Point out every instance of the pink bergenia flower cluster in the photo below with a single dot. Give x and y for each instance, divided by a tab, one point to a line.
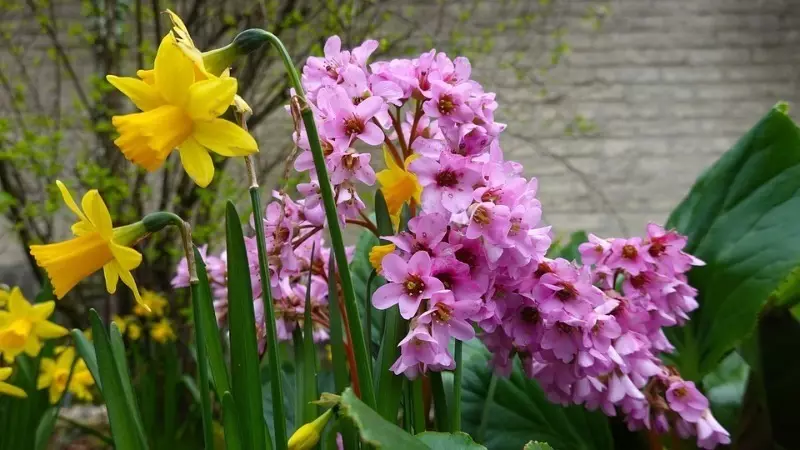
473	256
291	241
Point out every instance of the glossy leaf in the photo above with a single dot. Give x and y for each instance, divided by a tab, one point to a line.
121	363
245	377
198	292
374	429
86	351
520	411
448	441
535	445
230	422
736	218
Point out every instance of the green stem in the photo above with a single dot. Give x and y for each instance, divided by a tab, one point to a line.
363	361
279	415
487	404
441	414
202	367
418	405
457	389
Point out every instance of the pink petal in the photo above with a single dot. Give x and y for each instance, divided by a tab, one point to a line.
333	46
408	305
369	107
461	330
394	268
372	135
420	263
387	295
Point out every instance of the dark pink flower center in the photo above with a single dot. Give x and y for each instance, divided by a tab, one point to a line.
350	162
491	195
542	269
443	312
638	281
564	328
629	252
414	286
446	105
481	216
327	147
446	178
467	257
353	125
530	315
567	292
656	249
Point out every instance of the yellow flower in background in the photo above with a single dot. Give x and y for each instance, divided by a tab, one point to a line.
4	293
307	436
23	326
120	322
156	303
96	245
54	374
377	253
162	331
134	331
179	110
399	186
9	389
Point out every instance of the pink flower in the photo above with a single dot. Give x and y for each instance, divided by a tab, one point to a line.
563	338
447	184
426	234
417	350
409	283
348	164
325	71
448	317
594	251
686	400
489	221
350	122
710	433
627	254
449	102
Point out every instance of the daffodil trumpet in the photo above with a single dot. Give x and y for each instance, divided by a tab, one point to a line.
97	245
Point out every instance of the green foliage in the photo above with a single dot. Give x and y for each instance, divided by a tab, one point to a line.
446	441
516	410
374	429
735	218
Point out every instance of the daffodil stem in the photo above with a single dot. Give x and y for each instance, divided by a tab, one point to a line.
202	358
363	360
251	170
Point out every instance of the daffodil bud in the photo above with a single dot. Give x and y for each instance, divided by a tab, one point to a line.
218	60
307	436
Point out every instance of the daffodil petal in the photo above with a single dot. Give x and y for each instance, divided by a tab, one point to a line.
17	305
224	138
33	345
69	201
12	390
197	162
50	330
143	95
111	275
5	372
43	310
127	278
208	99
96	211
126	257
174	72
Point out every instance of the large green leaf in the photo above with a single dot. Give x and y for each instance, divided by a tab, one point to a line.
449	441
739	218
374	429
245	377
519	411
725	388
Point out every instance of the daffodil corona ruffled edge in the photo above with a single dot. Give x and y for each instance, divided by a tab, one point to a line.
398	184
181	103
97	244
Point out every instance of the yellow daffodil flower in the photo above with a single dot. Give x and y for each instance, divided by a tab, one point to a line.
134	331
399	186
120	322
162	331
53	374
179	110
4	293
9	389
377	253
96	245
23	326
307	436
153	305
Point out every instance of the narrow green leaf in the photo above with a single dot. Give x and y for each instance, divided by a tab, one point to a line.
204	314
230	420
738	219
244	351
191	386
457	379
374	430
86	351
45	429
418	406
202	366
441	414
120	412
276	385
121	363
447	441
170	405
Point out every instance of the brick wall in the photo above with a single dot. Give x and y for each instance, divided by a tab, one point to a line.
670	85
